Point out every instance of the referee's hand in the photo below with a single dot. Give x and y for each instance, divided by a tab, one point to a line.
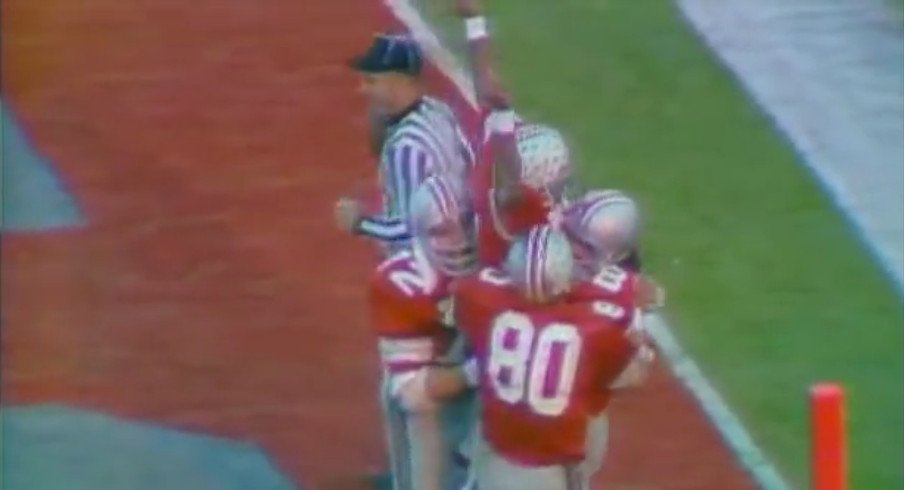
348	213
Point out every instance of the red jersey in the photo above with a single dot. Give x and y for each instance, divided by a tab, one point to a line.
612	284
408	304
615	290
543	368
496	228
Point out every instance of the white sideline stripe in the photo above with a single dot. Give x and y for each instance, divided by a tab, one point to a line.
727	423
685	369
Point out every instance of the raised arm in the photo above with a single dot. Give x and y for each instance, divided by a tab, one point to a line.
489	92
496	100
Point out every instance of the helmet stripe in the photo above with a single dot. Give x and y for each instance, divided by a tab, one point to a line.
452	202
441	195
539	261
545	233
529	266
436	194
605	199
538	241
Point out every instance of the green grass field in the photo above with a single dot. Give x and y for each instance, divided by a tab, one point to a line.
769	289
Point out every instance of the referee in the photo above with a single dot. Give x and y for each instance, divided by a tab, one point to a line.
416	135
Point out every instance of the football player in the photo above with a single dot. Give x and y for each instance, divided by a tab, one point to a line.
544	362
409	311
523	170
603	228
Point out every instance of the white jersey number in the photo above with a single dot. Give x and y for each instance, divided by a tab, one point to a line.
536	367
411	281
611	279
495	277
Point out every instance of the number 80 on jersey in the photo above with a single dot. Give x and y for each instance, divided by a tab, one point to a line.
537	369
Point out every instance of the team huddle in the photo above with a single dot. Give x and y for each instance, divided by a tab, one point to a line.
508	308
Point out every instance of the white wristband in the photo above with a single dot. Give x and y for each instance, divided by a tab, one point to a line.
501	122
476	28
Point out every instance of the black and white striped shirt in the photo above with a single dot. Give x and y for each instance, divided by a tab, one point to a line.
426	140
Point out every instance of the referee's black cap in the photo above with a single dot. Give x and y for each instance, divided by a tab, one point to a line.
391	53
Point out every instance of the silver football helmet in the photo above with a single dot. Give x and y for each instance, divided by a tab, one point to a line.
604	227
541	264
442	225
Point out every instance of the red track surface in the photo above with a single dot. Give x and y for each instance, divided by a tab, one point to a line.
207	141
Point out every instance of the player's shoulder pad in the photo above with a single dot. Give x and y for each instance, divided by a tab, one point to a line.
613	282
463	285
380	282
470	285
494	277
617	314
400	276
